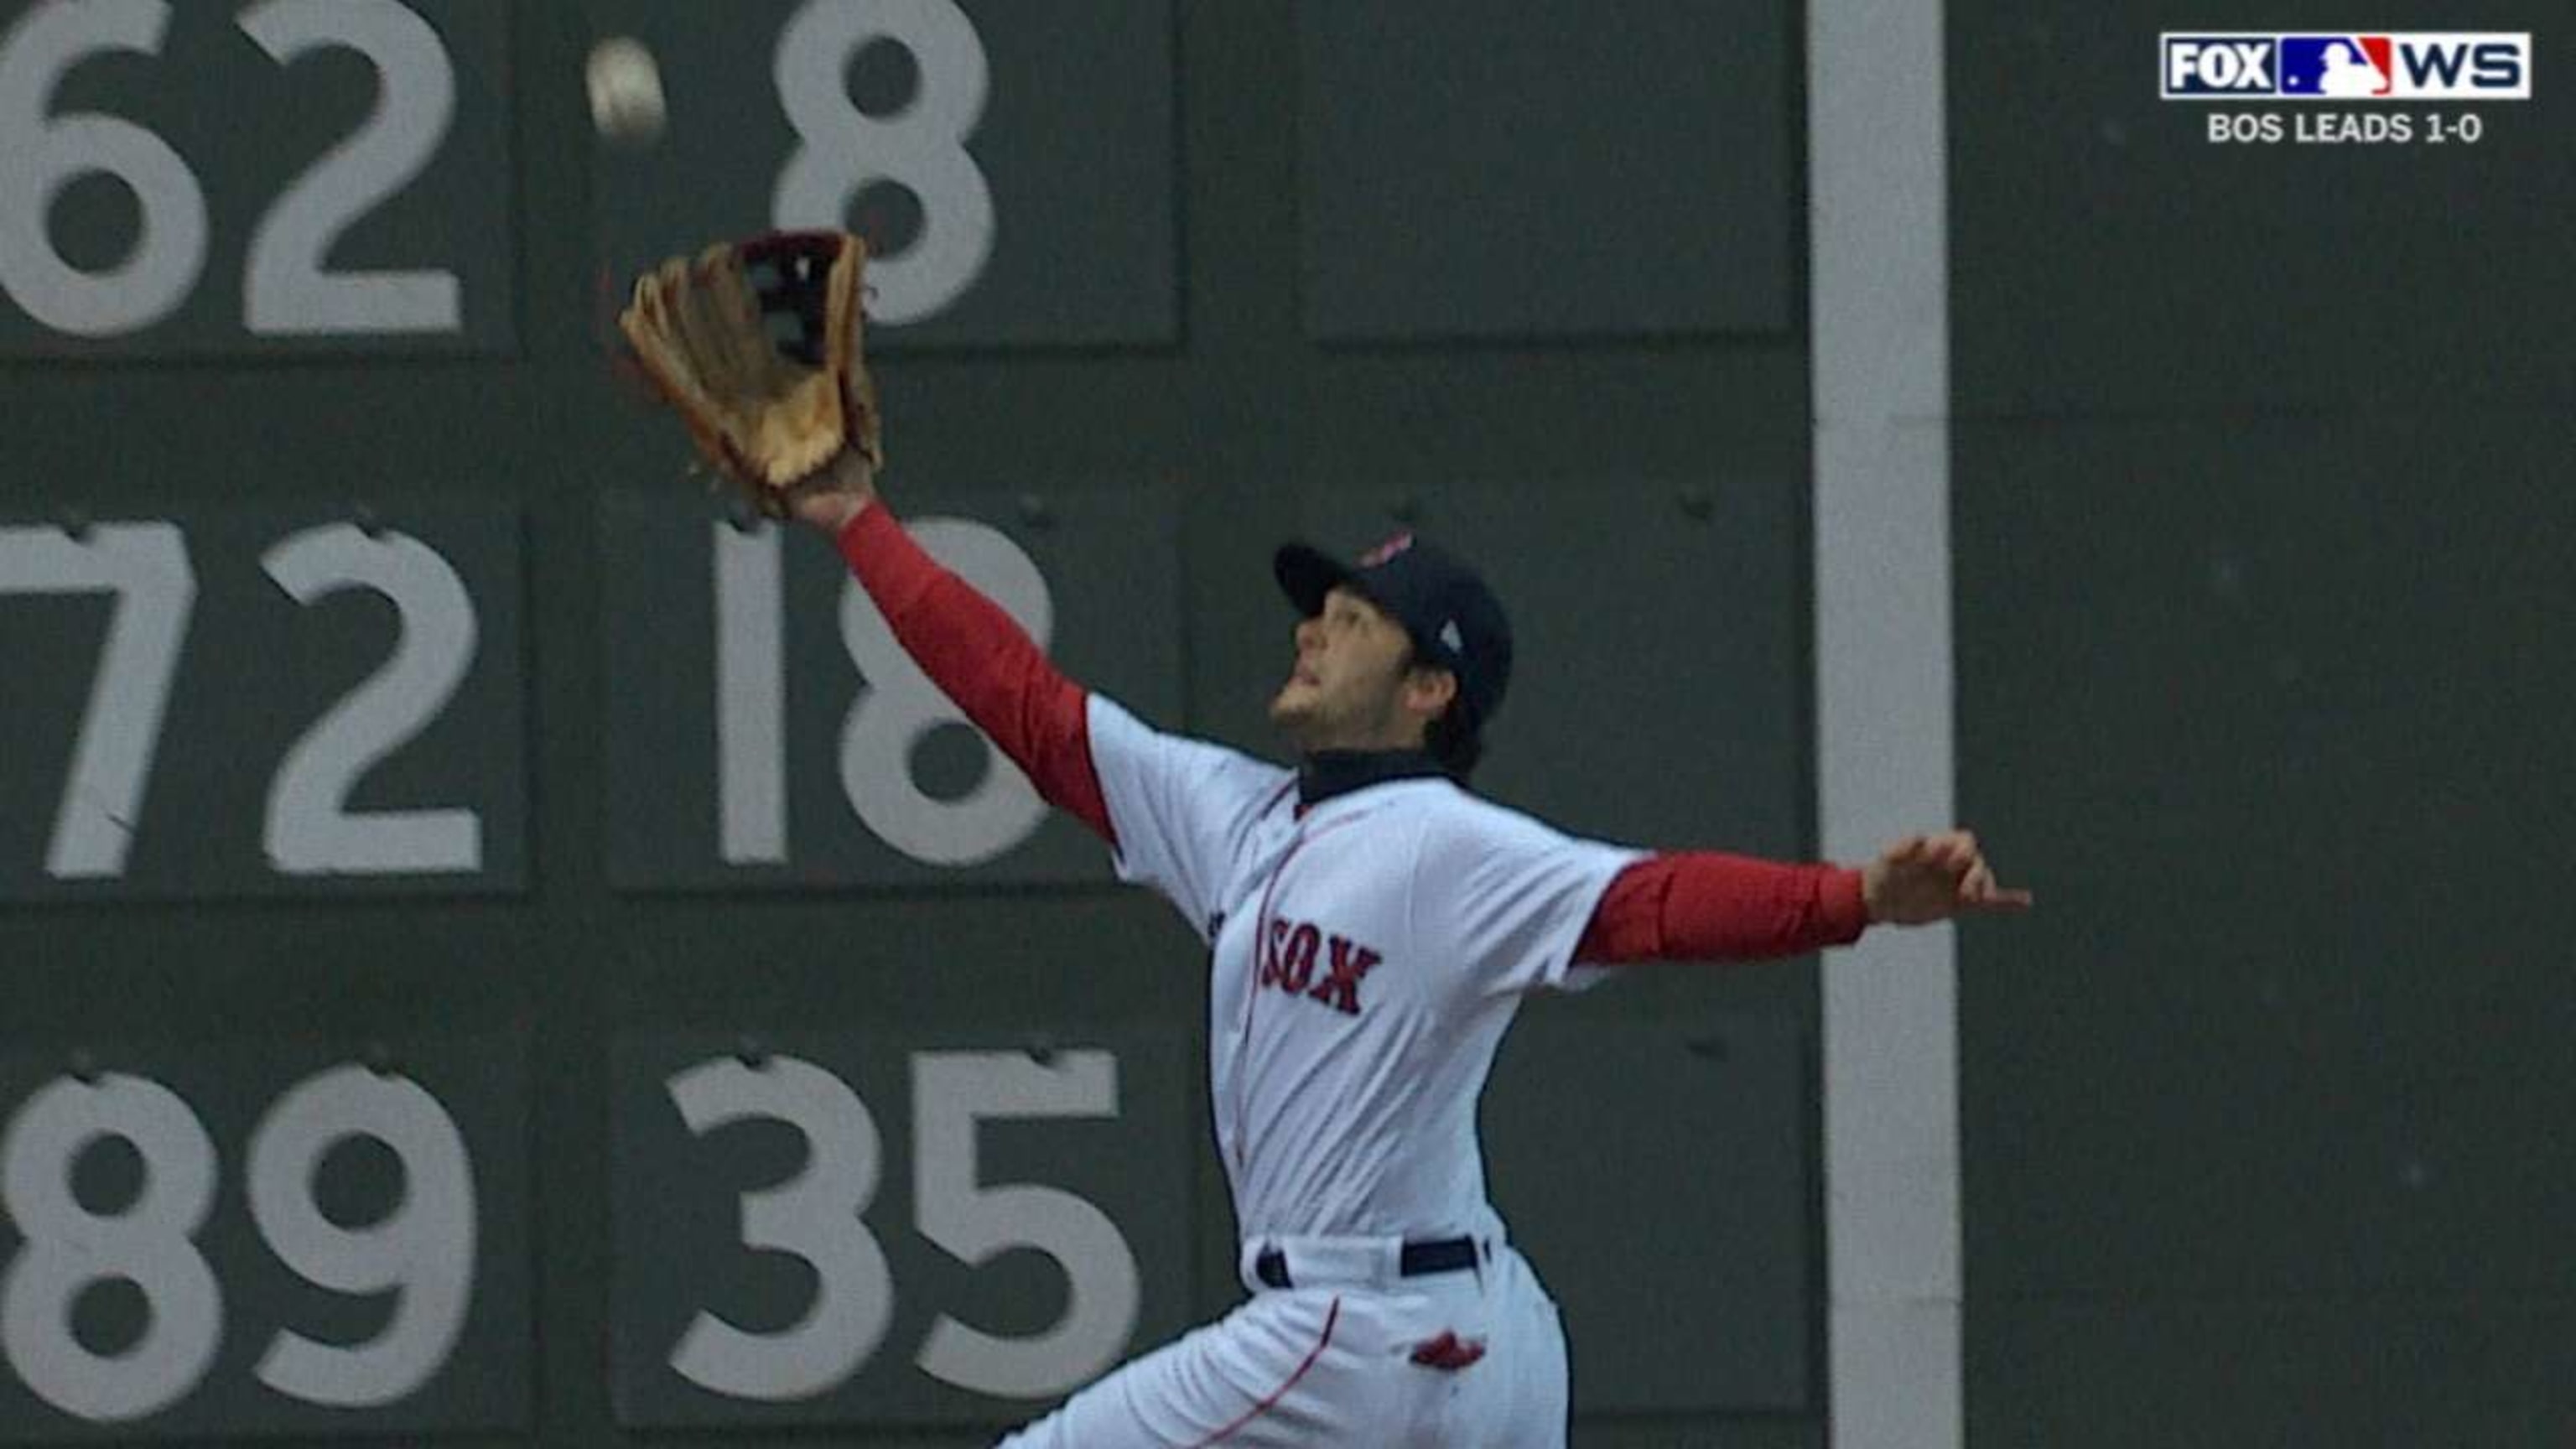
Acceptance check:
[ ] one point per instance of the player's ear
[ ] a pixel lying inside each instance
(1428, 690)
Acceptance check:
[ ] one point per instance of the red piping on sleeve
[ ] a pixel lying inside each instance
(1704, 906)
(985, 663)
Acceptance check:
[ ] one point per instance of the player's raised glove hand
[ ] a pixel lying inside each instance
(1926, 878)
(831, 498)
(756, 345)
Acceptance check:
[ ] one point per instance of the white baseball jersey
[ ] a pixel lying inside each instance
(1365, 958)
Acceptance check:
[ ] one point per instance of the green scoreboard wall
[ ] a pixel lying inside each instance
(2262, 544)
(497, 949)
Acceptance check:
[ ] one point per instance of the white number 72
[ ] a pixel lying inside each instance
(310, 830)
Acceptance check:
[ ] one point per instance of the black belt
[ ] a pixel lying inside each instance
(1416, 1260)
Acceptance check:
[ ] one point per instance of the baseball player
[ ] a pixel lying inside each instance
(1371, 928)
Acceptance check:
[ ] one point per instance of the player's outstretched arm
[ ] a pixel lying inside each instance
(1709, 906)
(978, 655)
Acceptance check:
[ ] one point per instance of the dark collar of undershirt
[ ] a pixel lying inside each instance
(1327, 774)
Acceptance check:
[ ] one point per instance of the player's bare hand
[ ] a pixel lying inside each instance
(834, 496)
(1925, 878)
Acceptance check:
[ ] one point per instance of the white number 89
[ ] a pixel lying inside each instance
(423, 1247)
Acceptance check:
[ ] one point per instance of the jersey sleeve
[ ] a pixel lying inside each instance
(1506, 898)
(1182, 811)
(1709, 906)
(981, 658)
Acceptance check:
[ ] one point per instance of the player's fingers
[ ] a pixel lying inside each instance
(2004, 900)
(1907, 851)
(1978, 883)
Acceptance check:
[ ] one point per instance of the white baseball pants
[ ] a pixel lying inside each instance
(1332, 1361)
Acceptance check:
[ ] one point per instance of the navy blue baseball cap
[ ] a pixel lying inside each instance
(1455, 621)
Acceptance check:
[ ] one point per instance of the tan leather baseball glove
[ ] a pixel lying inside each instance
(756, 345)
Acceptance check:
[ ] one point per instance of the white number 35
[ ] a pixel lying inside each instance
(816, 1217)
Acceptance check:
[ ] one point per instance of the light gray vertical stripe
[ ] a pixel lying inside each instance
(751, 696)
(1879, 223)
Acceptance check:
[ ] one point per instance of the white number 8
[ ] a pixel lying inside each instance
(923, 146)
(69, 1248)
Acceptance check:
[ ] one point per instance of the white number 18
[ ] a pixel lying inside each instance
(892, 714)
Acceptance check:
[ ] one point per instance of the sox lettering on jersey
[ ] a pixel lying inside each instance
(1296, 948)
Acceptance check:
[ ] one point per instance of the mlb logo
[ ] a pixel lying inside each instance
(2211, 67)
(2337, 67)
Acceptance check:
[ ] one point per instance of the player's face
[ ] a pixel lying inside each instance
(1349, 689)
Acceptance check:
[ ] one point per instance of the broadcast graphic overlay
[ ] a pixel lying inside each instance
(2404, 88)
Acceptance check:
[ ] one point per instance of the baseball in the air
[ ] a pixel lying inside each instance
(625, 92)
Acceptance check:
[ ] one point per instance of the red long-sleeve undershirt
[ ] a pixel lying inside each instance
(1680, 906)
